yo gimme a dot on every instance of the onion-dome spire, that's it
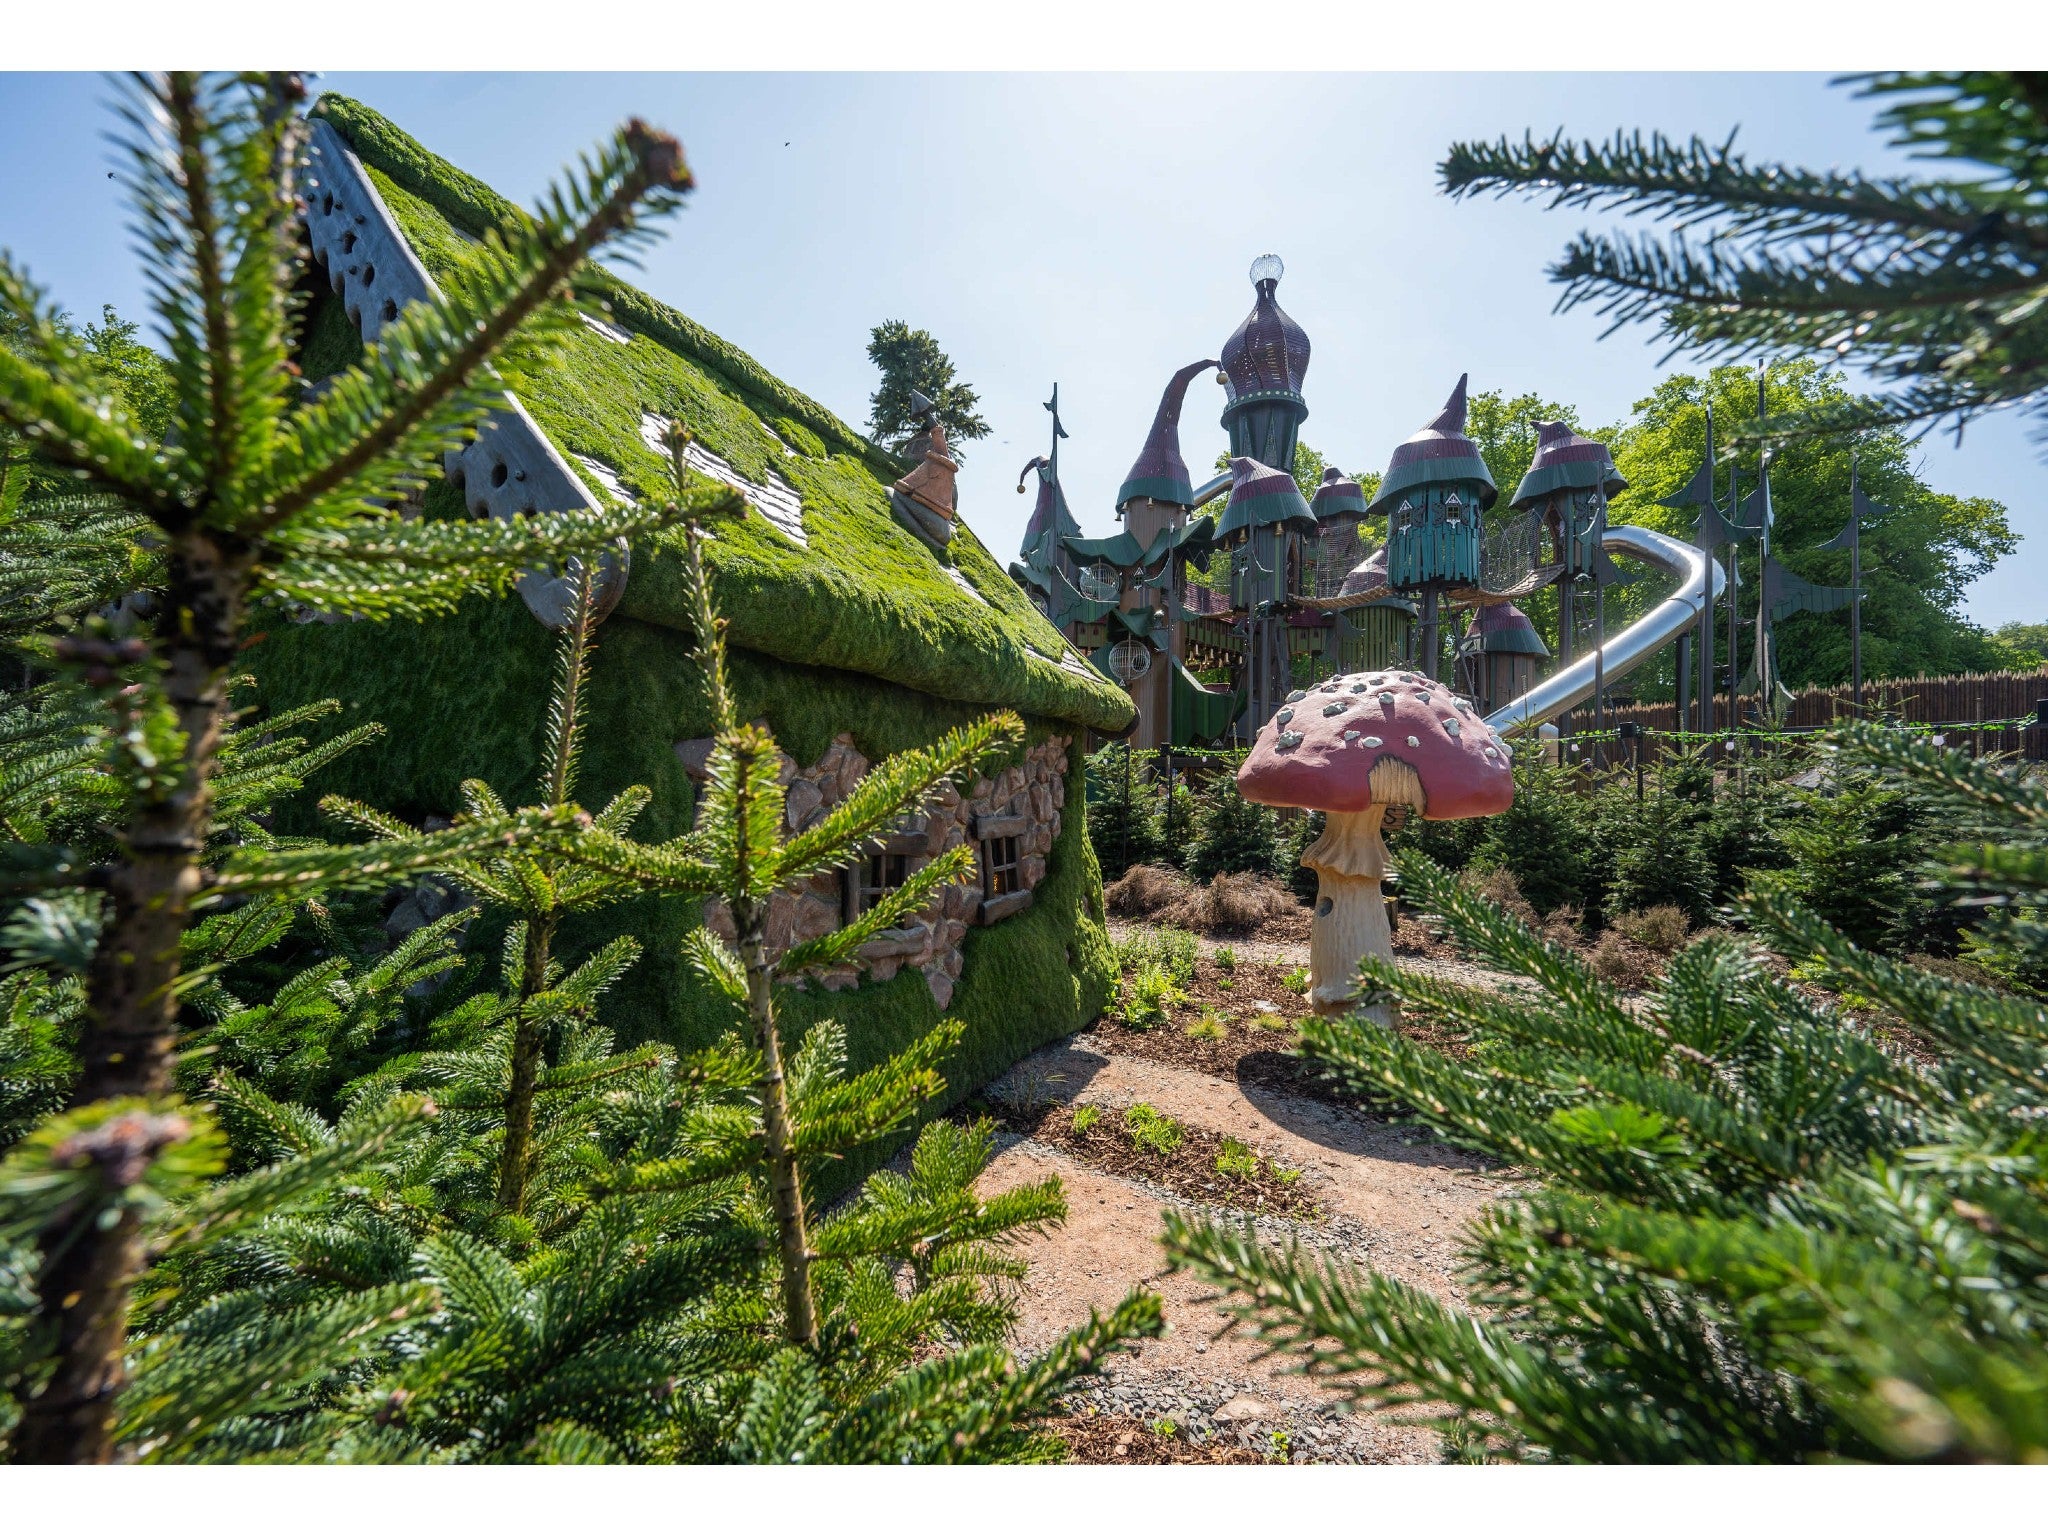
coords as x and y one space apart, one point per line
1566 461
1337 497
1505 630
1438 454
1264 363
1260 495
1160 472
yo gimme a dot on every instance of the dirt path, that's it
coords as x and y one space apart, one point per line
1393 1197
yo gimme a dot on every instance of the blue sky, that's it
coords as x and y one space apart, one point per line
1089 229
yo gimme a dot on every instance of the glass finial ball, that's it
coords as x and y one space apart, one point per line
1268 267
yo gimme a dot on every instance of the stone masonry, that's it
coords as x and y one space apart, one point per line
1031 793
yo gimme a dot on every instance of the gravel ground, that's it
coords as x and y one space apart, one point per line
1393 1198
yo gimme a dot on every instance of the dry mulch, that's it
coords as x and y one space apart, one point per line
1188 1171
1117 1440
1252 1050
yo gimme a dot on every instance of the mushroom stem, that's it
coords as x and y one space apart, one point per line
1351 915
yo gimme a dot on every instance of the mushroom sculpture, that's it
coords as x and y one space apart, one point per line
1350 748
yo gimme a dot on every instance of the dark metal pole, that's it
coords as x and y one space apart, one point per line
1856 619
1705 659
1599 666
1129 809
1682 694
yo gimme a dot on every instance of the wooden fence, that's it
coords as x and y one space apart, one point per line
1953 703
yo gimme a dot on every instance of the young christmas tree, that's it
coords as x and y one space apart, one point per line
1761 1235
1120 826
1931 285
253 494
1232 835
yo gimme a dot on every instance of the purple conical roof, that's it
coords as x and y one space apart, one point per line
1261 494
1566 461
1050 520
1439 453
1338 496
1160 472
1506 629
1268 353
1369 575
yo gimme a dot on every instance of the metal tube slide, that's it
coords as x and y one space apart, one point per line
1699 583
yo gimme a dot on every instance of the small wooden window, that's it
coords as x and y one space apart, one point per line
1000 874
872 879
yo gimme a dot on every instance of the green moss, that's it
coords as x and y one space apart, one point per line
475 208
866 631
462 697
866 595
330 342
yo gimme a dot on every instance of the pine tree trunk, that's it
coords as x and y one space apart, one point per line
131 1021
514 1161
785 1188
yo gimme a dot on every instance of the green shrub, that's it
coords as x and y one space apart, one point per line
1086 1118
1225 958
1294 842
1852 858
1173 825
1119 811
1149 998
1230 834
1541 838
1658 859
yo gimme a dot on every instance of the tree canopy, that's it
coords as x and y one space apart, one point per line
913 360
1920 554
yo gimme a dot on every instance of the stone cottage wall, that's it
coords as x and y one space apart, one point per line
1025 800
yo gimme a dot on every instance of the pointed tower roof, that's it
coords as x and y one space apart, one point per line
1051 523
1338 496
1440 452
1266 357
1261 494
1160 472
1366 577
1566 461
1505 630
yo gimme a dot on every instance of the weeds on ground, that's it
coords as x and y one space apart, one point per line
1086 1118
1225 958
1296 980
1151 1131
1170 950
1236 1160
1210 1026
1149 998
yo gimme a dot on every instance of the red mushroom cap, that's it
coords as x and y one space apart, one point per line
1319 748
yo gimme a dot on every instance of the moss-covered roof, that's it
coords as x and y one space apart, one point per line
864 594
